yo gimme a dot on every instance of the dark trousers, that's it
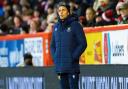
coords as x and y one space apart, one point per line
69 81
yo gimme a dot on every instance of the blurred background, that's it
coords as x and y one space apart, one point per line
25 35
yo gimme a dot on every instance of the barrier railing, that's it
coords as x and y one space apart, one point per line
99 50
91 77
106 45
16 45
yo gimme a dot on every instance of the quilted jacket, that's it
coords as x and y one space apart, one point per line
67 44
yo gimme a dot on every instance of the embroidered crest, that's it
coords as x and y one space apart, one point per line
55 29
69 29
73 76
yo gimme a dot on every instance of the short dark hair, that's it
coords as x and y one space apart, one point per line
28 59
27 56
64 4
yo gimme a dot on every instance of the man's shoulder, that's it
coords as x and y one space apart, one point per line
56 26
76 23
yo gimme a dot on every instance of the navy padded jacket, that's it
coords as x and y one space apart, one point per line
67 44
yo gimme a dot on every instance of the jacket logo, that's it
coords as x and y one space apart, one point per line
69 29
55 29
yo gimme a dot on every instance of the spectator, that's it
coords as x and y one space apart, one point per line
96 5
34 27
123 10
51 18
27 16
104 5
108 18
4 30
44 25
26 10
43 6
17 29
118 7
28 59
36 15
80 7
24 3
51 15
89 17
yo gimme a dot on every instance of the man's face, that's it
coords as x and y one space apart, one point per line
63 12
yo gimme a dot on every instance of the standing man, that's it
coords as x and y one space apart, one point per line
67 44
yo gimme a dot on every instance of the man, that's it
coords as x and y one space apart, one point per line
67 44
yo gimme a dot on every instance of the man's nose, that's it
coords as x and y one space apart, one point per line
61 12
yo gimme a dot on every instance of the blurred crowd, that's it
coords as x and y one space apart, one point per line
32 16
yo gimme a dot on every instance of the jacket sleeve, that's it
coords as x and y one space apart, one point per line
81 39
52 45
